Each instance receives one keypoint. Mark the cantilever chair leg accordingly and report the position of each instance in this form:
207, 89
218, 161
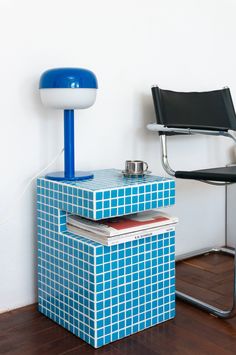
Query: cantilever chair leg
226, 250
207, 307
183, 296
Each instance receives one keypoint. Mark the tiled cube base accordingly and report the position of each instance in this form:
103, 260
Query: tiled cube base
101, 293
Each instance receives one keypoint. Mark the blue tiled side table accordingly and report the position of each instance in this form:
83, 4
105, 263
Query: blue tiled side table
101, 293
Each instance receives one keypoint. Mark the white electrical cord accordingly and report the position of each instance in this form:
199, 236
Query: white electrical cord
8, 218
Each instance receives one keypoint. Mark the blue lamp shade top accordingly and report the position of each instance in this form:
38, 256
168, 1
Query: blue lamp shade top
70, 78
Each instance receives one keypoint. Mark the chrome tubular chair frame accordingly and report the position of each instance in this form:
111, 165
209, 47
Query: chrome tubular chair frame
165, 163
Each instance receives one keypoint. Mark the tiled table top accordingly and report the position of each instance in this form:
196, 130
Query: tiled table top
113, 178
109, 194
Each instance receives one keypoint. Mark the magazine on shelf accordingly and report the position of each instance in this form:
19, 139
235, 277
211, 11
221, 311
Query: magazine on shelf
123, 238
121, 225
122, 229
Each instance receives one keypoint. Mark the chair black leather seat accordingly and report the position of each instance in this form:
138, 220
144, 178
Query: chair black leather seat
224, 174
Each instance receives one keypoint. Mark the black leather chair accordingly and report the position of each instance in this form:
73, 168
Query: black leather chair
209, 113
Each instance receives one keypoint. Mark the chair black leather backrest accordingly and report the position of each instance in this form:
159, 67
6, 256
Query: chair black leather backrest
211, 110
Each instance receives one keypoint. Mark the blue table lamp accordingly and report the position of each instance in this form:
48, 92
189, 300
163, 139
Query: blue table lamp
68, 89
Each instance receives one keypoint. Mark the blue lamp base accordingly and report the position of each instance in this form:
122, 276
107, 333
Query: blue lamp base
78, 176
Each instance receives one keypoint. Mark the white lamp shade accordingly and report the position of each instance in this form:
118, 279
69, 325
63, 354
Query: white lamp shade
67, 98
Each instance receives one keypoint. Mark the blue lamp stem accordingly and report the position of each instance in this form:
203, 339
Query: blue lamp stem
69, 144
69, 154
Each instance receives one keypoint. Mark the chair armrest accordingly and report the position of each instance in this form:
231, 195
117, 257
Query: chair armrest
154, 127
166, 131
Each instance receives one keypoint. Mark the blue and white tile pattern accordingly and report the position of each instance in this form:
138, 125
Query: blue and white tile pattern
109, 194
101, 293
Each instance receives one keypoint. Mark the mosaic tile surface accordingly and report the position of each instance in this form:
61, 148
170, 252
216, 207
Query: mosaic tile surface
109, 194
102, 294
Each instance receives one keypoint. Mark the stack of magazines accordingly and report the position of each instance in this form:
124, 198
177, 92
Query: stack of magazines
121, 229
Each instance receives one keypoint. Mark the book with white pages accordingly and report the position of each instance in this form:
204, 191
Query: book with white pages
128, 237
122, 225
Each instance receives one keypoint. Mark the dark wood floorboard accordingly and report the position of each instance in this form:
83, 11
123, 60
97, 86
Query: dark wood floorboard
26, 332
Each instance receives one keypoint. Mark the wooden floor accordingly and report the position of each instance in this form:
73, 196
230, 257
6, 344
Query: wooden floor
27, 332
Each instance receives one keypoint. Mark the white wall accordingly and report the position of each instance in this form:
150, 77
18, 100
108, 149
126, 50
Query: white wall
130, 45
